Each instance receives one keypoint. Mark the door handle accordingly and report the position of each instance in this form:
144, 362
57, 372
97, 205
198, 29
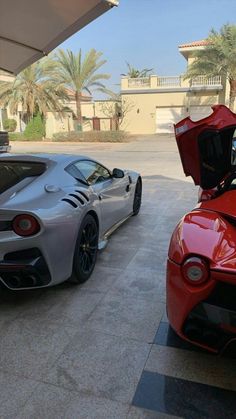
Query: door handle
100, 197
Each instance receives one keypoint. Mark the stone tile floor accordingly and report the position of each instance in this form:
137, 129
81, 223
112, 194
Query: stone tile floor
103, 349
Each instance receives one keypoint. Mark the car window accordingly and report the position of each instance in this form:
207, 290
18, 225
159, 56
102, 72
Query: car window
92, 171
12, 173
75, 173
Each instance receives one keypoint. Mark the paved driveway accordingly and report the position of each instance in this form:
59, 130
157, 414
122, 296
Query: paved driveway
103, 349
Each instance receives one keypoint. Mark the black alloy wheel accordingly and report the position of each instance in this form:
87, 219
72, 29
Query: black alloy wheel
137, 197
85, 250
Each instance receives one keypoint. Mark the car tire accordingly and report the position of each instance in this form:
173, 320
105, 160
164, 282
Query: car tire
137, 197
85, 251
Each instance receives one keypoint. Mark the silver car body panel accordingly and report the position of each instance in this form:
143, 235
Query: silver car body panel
60, 202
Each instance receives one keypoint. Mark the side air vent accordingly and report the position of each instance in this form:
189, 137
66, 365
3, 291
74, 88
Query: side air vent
84, 195
69, 201
76, 198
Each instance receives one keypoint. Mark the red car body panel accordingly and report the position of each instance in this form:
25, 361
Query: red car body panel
207, 232
187, 133
181, 298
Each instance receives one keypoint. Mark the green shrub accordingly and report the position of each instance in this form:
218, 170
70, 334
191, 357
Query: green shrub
35, 129
92, 136
9, 124
16, 136
19, 136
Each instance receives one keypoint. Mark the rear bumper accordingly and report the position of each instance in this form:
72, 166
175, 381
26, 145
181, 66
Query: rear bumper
17, 272
204, 315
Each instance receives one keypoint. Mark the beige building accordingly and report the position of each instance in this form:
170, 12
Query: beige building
149, 105
97, 115
156, 103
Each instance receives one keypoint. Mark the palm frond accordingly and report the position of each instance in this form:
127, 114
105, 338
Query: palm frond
218, 57
80, 74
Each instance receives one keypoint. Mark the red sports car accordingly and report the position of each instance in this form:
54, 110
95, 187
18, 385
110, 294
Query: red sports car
201, 267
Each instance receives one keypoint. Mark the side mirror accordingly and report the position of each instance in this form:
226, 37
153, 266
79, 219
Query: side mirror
117, 173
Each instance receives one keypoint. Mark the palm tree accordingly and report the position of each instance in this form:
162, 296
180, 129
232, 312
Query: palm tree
134, 73
35, 90
217, 58
79, 75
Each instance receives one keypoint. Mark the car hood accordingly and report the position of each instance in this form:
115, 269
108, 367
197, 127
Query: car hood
205, 146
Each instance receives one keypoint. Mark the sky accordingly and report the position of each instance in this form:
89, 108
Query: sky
146, 34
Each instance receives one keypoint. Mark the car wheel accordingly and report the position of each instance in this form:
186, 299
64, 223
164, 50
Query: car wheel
85, 251
137, 197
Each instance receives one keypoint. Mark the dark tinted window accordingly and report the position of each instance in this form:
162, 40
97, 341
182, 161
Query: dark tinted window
12, 173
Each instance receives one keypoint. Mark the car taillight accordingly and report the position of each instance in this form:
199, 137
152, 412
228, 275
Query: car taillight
195, 270
25, 225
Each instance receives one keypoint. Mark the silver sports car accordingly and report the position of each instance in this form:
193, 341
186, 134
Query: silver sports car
56, 211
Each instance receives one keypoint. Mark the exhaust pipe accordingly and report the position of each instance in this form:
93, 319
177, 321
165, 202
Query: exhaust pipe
19, 281
14, 281
31, 280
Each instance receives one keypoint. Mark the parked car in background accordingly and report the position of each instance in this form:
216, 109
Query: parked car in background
56, 212
201, 267
4, 142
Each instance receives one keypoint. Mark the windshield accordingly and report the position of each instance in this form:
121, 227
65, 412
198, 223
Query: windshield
12, 173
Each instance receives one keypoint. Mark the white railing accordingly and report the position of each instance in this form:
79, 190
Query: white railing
173, 81
206, 81
139, 82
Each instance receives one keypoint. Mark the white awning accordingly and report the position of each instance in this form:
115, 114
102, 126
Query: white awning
30, 29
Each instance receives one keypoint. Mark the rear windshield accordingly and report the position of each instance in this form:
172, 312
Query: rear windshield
12, 173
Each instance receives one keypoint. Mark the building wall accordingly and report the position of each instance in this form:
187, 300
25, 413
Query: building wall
141, 119
55, 124
151, 96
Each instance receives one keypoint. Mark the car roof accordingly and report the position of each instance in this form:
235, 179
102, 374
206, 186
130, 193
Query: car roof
44, 157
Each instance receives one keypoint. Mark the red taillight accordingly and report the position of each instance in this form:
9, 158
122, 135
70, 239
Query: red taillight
25, 225
195, 270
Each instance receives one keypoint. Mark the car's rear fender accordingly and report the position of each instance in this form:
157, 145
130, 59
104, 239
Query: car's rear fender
55, 240
205, 233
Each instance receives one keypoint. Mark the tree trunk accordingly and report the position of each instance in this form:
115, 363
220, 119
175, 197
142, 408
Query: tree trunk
78, 111
232, 94
28, 115
117, 114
